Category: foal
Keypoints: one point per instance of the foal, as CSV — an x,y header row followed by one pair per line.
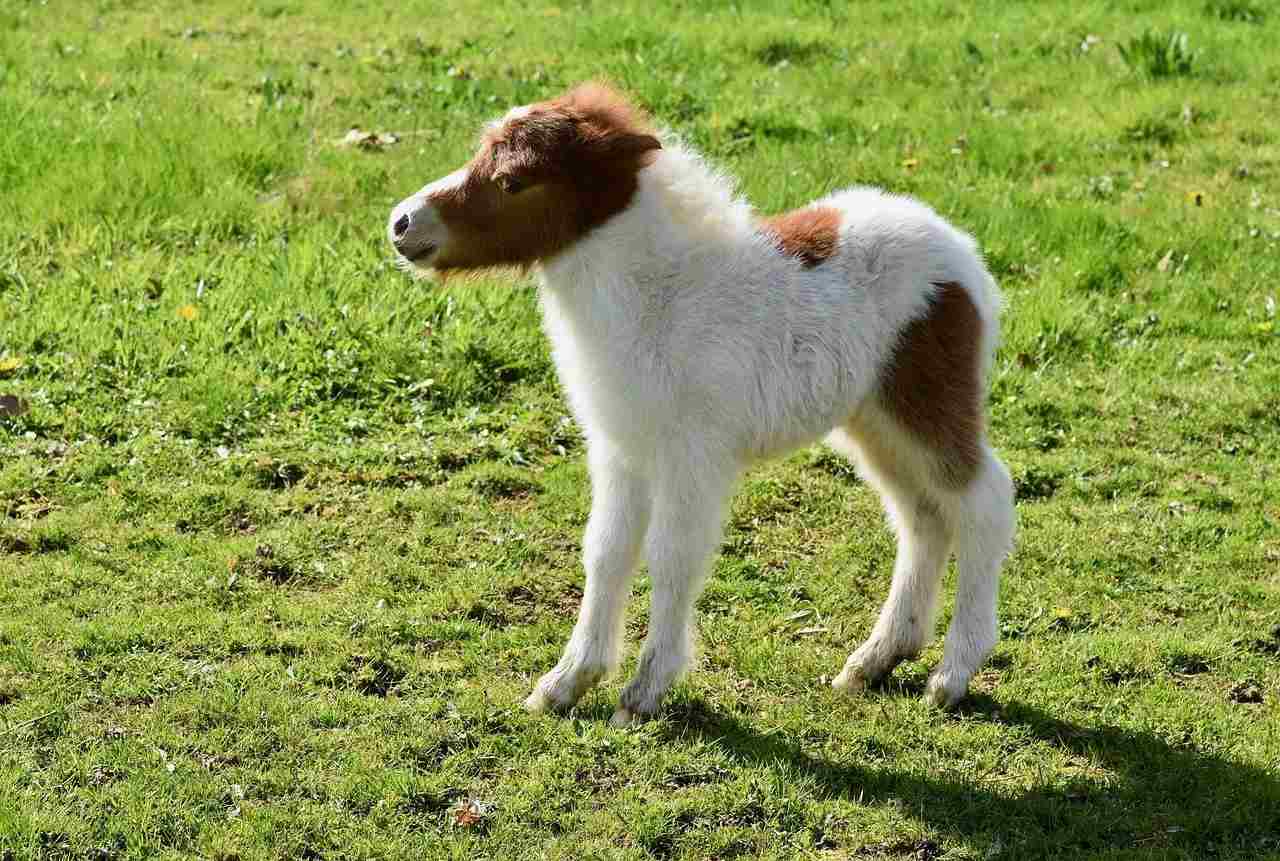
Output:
x,y
694,337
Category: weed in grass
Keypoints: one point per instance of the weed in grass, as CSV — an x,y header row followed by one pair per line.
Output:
x,y
1235,10
1033,484
373,675
790,50
1156,130
1159,55
835,465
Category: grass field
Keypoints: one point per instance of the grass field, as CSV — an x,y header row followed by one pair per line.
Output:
x,y
285,537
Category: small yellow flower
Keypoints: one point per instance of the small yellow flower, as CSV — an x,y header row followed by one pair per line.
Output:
x,y
9,364
188,312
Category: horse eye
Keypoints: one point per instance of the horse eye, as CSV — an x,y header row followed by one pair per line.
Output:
x,y
510,184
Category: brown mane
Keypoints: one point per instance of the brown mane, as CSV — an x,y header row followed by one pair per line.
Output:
x,y
809,234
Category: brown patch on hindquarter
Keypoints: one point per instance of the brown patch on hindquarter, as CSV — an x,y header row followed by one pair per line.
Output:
x,y
809,234
572,163
933,383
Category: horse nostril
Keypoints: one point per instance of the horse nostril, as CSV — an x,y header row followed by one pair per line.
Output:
x,y
401,226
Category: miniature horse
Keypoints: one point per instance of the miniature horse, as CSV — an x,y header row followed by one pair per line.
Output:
x,y
695,337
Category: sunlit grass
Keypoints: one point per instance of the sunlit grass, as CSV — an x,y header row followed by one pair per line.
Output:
x,y
285,536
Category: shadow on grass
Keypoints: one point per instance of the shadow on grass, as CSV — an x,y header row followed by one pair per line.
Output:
x,y
1168,799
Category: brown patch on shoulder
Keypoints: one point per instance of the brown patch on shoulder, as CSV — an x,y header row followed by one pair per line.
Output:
x,y
933,382
811,234
545,178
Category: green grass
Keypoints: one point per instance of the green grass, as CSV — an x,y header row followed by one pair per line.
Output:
x,y
1159,55
285,537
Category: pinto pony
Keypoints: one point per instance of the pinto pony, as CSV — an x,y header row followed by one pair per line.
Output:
x,y
694,337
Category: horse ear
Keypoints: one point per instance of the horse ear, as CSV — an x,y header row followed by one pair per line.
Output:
x,y
632,144
610,144
609,125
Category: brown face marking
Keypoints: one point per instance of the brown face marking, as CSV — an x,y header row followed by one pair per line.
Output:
x,y
809,234
933,383
544,179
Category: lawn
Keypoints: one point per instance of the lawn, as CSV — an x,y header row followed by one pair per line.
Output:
x,y
285,537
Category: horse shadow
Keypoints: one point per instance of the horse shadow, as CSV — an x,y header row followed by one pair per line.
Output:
x,y
1162,797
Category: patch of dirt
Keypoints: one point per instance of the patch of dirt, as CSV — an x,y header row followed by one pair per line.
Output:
x,y
44,542
521,596
266,564
679,779
1246,692
601,777
425,803
382,478
104,775
275,474
1120,674
501,485
15,544
487,615
1268,645
31,505
12,405
375,676
1187,664
529,600
917,850
239,522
